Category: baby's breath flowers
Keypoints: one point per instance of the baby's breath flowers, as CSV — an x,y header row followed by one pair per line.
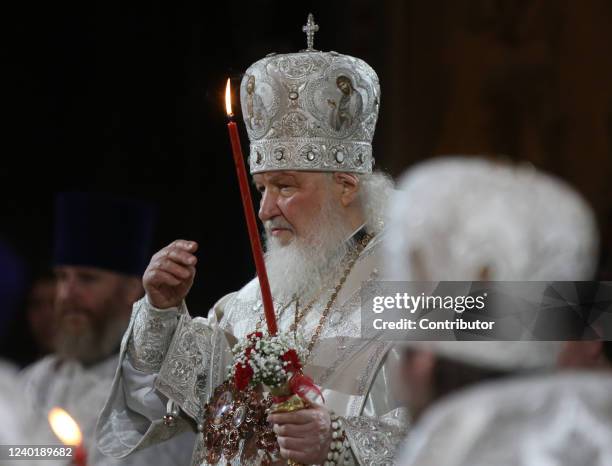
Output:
x,y
270,360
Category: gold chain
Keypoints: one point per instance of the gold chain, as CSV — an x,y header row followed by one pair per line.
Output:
x,y
297,319
280,313
317,333
299,315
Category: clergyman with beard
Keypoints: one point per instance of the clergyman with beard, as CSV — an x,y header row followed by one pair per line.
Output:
x,y
101,247
322,208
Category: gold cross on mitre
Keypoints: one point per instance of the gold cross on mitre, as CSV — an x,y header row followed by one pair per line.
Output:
x,y
310,28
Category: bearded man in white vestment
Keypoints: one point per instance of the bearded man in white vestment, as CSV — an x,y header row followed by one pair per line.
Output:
x,y
322,208
500,228
102,244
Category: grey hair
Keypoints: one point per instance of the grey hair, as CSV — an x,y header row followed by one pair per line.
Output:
x,y
375,193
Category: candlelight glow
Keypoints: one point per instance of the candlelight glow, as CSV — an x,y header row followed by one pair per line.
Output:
x,y
228,99
66,428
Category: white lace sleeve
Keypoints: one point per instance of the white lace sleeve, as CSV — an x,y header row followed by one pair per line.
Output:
x,y
375,441
132,418
376,434
151,335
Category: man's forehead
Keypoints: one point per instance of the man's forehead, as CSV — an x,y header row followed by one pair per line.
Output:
x,y
276,175
83,269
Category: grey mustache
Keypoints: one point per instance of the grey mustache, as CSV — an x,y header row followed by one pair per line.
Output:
x,y
277,223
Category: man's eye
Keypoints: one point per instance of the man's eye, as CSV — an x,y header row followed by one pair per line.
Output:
x,y
88,278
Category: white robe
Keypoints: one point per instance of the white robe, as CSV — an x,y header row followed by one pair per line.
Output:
x,y
81,391
186,359
13,430
551,420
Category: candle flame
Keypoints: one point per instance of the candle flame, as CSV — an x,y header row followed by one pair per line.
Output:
x,y
66,428
228,99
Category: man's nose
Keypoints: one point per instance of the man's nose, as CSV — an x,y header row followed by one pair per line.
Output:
x,y
268,207
66,290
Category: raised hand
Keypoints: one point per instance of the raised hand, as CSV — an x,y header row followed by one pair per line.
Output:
x,y
170,274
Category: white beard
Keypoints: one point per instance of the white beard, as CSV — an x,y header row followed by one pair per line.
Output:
x,y
302,267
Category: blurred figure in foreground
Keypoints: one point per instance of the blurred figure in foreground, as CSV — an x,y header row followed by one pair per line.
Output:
x,y
101,249
471,219
558,420
465,218
595,355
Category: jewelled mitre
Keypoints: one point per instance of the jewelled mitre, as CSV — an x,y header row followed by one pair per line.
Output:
x,y
311,111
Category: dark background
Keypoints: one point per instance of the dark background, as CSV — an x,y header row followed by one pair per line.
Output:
x,y
127,98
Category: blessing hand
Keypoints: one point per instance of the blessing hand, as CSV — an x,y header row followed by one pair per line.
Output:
x,y
170,274
305,435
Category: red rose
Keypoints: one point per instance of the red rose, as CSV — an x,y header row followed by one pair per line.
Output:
x,y
248,351
293,361
242,375
257,335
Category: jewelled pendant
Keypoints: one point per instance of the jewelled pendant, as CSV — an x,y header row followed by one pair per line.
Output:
x,y
235,419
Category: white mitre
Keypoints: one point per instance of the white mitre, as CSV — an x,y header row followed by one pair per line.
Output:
x,y
562,420
454,216
464,213
311,111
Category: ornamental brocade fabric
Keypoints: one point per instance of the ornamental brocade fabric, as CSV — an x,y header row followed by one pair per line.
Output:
x,y
375,440
153,330
311,110
352,372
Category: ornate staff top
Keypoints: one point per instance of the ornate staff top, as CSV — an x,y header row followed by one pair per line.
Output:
x,y
310,28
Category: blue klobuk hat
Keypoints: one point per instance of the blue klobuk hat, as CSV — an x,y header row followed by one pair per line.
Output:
x,y
103,231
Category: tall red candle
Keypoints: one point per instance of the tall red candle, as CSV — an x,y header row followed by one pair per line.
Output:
x,y
80,456
249,213
68,431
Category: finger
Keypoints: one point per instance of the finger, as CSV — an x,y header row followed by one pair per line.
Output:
x,y
159,277
297,456
189,246
292,430
177,250
315,405
295,444
175,269
176,256
299,417
181,257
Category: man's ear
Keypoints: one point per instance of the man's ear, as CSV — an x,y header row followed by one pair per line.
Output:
x,y
485,273
418,266
587,354
350,187
423,364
